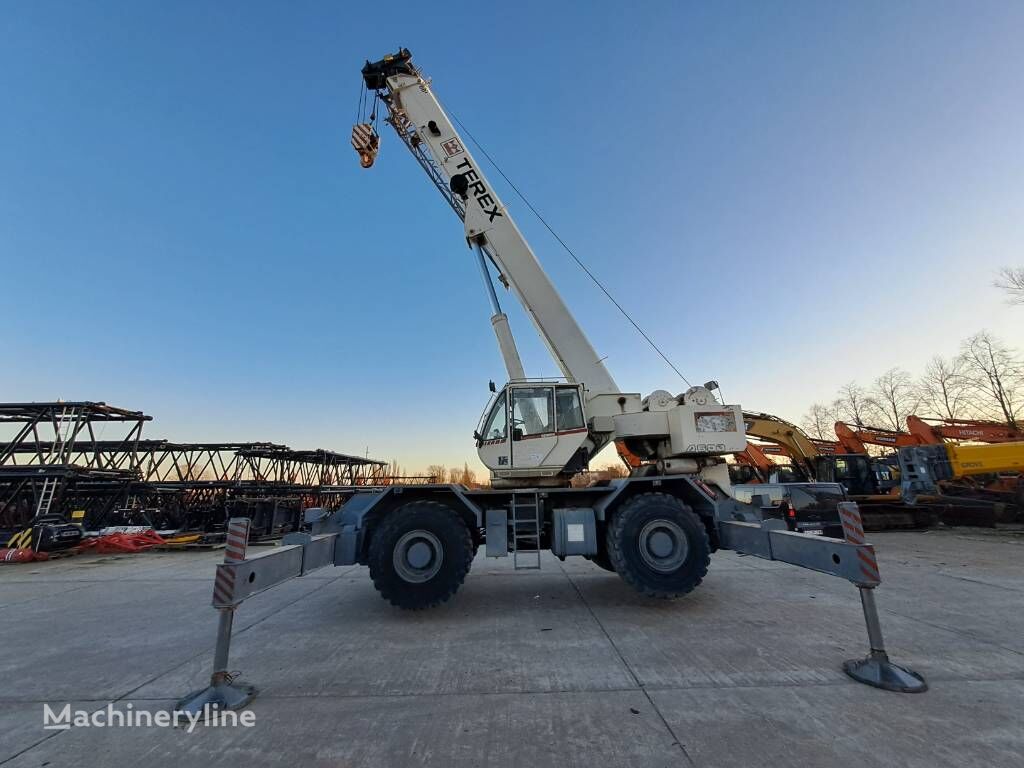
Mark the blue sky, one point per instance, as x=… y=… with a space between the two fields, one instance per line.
x=786 y=197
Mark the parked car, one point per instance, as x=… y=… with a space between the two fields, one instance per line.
x=806 y=507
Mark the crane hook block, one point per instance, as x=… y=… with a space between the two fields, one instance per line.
x=366 y=142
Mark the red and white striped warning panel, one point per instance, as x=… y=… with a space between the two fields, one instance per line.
x=238 y=539
x=853 y=531
x=224 y=588
x=234 y=552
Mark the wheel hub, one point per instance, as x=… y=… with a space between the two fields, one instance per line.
x=418 y=556
x=663 y=546
x=660 y=544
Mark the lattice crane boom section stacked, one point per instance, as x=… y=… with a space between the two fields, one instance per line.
x=53 y=458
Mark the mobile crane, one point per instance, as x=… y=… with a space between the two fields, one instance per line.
x=656 y=528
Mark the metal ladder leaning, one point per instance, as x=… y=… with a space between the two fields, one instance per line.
x=64 y=431
x=526 y=528
x=46 y=496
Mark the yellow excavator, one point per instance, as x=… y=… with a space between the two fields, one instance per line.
x=923 y=467
x=871 y=483
x=823 y=460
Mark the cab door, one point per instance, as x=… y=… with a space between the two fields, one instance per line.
x=494 y=442
x=533 y=425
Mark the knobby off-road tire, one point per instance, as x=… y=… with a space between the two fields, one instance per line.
x=420 y=554
x=658 y=546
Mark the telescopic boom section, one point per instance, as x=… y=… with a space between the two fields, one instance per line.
x=419 y=119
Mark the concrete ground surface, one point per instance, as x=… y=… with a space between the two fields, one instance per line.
x=560 y=667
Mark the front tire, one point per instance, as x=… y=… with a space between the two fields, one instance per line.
x=658 y=546
x=419 y=555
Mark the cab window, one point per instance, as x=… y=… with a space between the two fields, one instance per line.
x=497 y=423
x=801 y=499
x=533 y=410
x=568 y=409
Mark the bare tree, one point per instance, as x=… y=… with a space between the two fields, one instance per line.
x=437 y=473
x=1011 y=280
x=997 y=372
x=895 y=397
x=819 y=421
x=945 y=389
x=855 y=405
x=466 y=476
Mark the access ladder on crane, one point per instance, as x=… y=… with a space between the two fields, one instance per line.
x=526 y=528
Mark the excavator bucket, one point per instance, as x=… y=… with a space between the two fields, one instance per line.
x=366 y=142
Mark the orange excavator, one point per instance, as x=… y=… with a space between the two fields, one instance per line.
x=762 y=469
x=935 y=431
x=855 y=439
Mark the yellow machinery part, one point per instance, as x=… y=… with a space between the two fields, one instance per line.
x=982 y=459
x=190 y=538
x=21 y=540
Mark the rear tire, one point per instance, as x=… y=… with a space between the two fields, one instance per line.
x=658 y=546
x=419 y=555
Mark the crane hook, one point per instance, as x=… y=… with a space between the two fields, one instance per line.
x=366 y=142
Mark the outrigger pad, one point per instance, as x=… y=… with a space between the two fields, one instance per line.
x=878 y=671
x=218 y=698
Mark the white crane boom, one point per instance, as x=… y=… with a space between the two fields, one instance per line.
x=542 y=431
x=412 y=104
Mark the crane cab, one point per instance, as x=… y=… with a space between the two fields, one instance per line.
x=533 y=429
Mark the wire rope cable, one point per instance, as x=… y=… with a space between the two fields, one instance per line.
x=579 y=262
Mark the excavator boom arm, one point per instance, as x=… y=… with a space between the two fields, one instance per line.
x=797 y=443
x=854 y=439
x=933 y=432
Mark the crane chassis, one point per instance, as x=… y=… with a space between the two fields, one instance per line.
x=657 y=528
